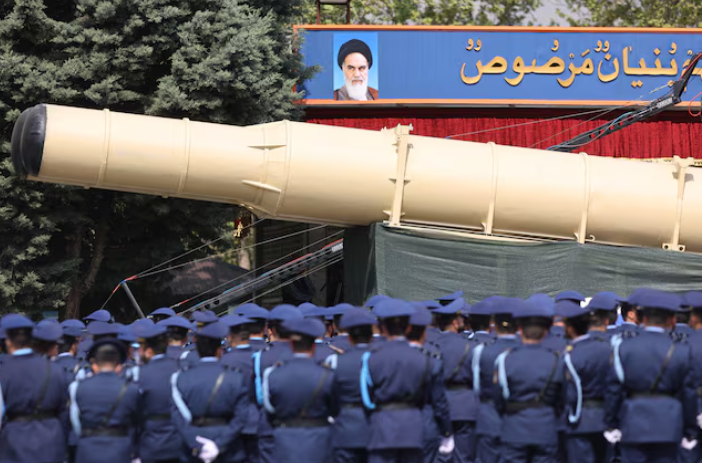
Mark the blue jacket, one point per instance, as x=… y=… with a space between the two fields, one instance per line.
x=298 y=389
x=226 y=411
x=637 y=391
x=394 y=379
x=158 y=436
x=489 y=422
x=98 y=403
x=350 y=428
x=457 y=354
x=239 y=358
x=24 y=378
x=530 y=394
x=587 y=362
x=273 y=353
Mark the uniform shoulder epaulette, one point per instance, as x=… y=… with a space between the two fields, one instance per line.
x=569 y=348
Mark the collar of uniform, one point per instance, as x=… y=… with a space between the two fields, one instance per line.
x=157 y=357
x=681 y=325
x=611 y=327
x=209 y=359
x=580 y=338
x=415 y=344
x=318 y=341
x=243 y=346
x=361 y=345
x=65 y=354
x=479 y=332
x=398 y=338
x=25 y=351
x=302 y=355
x=507 y=336
x=255 y=338
x=655 y=329
x=629 y=323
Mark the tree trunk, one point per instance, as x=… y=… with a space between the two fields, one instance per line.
x=73 y=250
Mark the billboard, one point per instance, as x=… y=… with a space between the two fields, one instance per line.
x=496 y=65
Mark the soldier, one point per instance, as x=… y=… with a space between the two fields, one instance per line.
x=340 y=343
x=436 y=414
x=394 y=381
x=650 y=379
x=603 y=307
x=555 y=339
x=46 y=337
x=693 y=301
x=159 y=441
x=326 y=347
x=489 y=423
x=32 y=399
x=278 y=350
x=104 y=406
x=257 y=329
x=479 y=317
x=298 y=397
x=72 y=331
x=350 y=432
x=529 y=392
x=630 y=313
x=586 y=360
x=458 y=376
x=682 y=331
x=210 y=402
x=177 y=329
x=239 y=358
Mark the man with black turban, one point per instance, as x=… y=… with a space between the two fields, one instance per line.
x=355 y=59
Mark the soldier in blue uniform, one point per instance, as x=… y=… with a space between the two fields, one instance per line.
x=178 y=328
x=210 y=403
x=651 y=379
x=103 y=407
x=332 y=345
x=530 y=391
x=159 y=441
x=72 y=331
x=238 y=357
x=257 y=329
x=297 y=395
x=693 y=301
x=32 y=399
x=279 y=349
x=587 y=361
x=46 y=337
x=682 y=330
x=350 y=432
x=555 y=339
x=480 y=317
x=394 y=381
x=630 y=313
x=489 y=424
x=436 y=413
x=457 y=354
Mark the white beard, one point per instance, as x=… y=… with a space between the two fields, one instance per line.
x=357 y=92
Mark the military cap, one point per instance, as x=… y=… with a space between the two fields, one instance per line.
x=176 y=322
x=285 y=312
x=235 y=320
x=108 y=343
x=166 y=311
x=306 y=307
x=100 y=315
x=431 y=305
x=305 y=326
x=393 y=308
x=251 y=310
x=47 y=330
x=215 y=330
x=505 y=305
x=568 y=308
x=453 y=308
x=98 y=328
x=15 y=321
x=142 y=326
x=126 y=334
x=149 y=331
x=204 y=317
x=543 y=300
x=569 y=295
x=357 y=317
x=693 y=299
x=481 y=308
x=72 y=331
x=73 y=323
x=374 y=300
x=447 y=298
x=634 y=296
x=655 y=299
x=532 y=309
x=603 y=301
x=421 y=316
x=340 y=309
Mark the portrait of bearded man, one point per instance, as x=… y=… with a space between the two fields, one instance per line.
x=355 y=59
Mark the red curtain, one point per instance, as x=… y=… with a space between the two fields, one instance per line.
x=675 y=133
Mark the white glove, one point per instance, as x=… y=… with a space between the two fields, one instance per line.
x=688 y=444
x=209 y=450
x=136 y=460
x=699 y=420
x=613 y=436
x=447 y=445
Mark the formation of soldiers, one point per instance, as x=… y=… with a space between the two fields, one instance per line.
x=504 y=380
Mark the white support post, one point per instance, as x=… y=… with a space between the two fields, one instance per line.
x=403 y=147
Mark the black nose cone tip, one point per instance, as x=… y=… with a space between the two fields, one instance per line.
x=28 y=138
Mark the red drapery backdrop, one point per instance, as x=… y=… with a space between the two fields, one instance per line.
x=674 y=133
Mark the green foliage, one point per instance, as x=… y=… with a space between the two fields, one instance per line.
x=425 y=12
x=209 y=60
x=634 y=13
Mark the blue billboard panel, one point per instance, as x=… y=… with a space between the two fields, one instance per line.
x=562 y=66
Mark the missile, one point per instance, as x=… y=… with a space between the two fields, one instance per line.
x=350 y=177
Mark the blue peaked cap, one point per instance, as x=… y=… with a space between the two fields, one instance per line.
x=178 y=321
x=235 y=320
x=374 y=300
x=47 y=330
x=73 y=323
x=450 y=297
x=569 y=295
x=285 y=312
x=693 y=299
x=215 y=330
x=422 y=316
x=252 y=311
x=167 y=311
x=357 y=317
x=98 y=328
x=305 y=326
x=204 y=317
x=656 y=299
x=15 y=321
x=481 y=308
x=453 y=308
x=532 y=309
x=568 y=308
x=101 y=315
x=393 y=308
x=603 y=301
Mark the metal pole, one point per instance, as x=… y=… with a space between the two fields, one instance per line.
x=319 y=7
x=132 y=299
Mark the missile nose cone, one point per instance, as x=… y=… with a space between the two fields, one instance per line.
x=28 y=137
